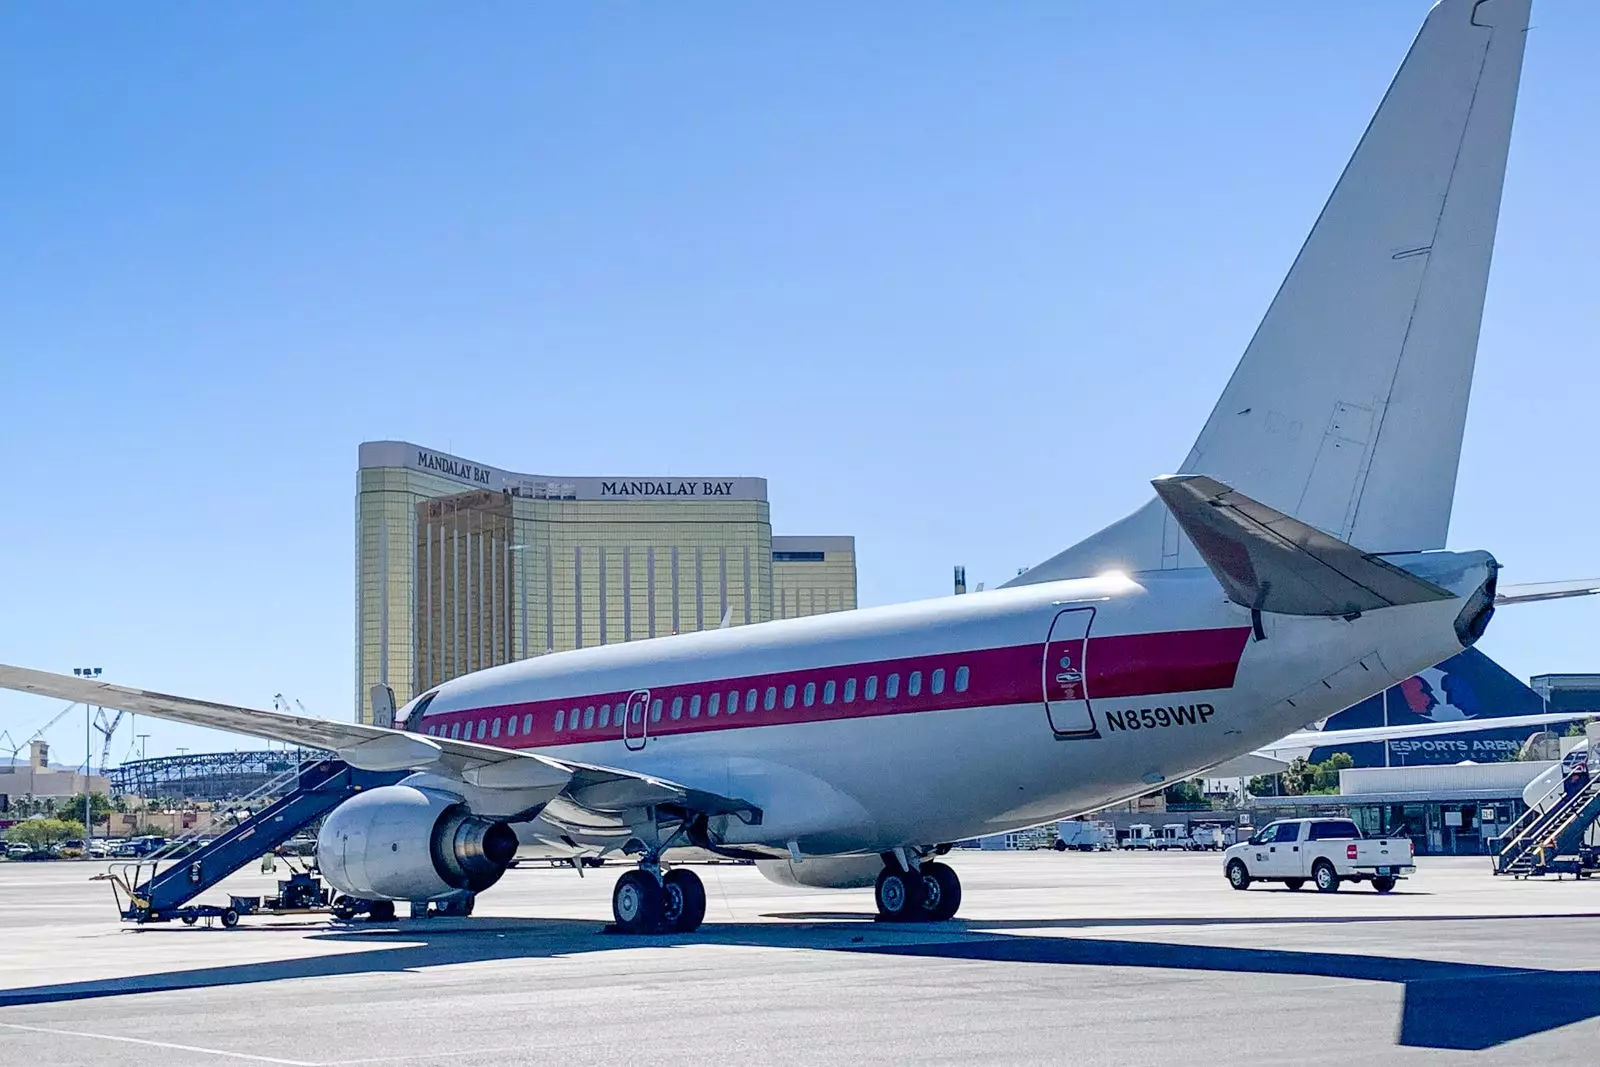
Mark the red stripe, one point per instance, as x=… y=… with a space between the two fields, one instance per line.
x=1118 y=667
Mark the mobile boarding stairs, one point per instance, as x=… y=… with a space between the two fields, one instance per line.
x=1551 y=836
x=147 y=893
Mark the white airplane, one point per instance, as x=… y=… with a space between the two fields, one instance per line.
x=853 y=748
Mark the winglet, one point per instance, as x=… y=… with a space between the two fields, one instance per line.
x=1271 y=562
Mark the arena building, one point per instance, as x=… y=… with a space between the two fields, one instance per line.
x=462 y=566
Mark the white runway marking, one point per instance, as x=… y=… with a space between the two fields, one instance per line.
x=162 y=1044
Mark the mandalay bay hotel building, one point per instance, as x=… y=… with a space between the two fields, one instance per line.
x=462 y=566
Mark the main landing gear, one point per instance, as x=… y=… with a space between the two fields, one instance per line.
x=927 y=892
x=650 y=901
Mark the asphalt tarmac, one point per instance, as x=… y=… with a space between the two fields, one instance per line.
x=1109 y=958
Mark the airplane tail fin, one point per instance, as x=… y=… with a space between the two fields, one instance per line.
x=1346 y=410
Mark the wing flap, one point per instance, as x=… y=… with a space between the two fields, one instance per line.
x=1269 y=561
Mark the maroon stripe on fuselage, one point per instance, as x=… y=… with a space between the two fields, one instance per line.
x=1120 y=666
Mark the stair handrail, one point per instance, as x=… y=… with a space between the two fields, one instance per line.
x=1575 y=806
x=1516 y=831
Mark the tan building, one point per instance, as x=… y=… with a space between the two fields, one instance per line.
x=812 y=575
x=37 y=778
x=462 y=566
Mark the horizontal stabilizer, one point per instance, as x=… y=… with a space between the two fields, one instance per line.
x=1532 y=592
x=1266 y=560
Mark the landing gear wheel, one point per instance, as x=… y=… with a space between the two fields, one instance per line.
x=941 y=893
x=381 y=911
x=1238 y=874
x=230 y=918
x=1292 y=884
x=685 y=901
x=899 y=895
x=1383 y=883
x=1326 y=877
x=637 y=903
x=188 y=920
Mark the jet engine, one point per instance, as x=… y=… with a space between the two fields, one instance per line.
x=823 y=872
x=399 y=842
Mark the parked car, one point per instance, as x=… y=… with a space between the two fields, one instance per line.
x=1139 y=836
x=1326 y=852
x=18 y=851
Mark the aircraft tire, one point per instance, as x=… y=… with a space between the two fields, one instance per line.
x=637 y=902
x=381 y=911
x=898 y=895
x=685 y=900
x=941 y=893
x=1238 y=874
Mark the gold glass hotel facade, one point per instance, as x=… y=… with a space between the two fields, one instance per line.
x=462 y=566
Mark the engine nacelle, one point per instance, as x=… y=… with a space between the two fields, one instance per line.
x=823 y=872
x=398 y=842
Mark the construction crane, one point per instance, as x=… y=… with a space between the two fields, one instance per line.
x=37 y=734
x=106 y=730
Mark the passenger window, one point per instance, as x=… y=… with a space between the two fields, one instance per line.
x=483 y=726
x=561 y=716
x=495 y=730
x=936 y=683
x=455 y=730
x=694 y=705
x=891 y=687
x=588 y=717
x=827 y=693
x=750 y=700
x=962 y=676
x=527 y=723
x=605 y=715
x=871 y=689
x=677 y=707
x=1289 y=831
x=788 y=696
x=431 y=729
x=655 y=710
x=733 y=701
x=511 y=726
x=811 y=693
x=638 y=713
x=771 y=699
x=849 y=690
x=914 y=684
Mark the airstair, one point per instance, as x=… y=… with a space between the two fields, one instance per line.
x=1549 y=837
x=147 y=893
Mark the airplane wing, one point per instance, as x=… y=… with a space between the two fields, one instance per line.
x=1267 y=560
x=377 y=748
x=1532 y=592
x=1302 y=741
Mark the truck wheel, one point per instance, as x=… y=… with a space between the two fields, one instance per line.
x=1060 y=845
x=1325 y=876
x=1292 y=884
x=1238 y=874
x=1383 y=883
x=230 y=918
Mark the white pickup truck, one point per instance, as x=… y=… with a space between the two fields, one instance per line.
x=1323 y=851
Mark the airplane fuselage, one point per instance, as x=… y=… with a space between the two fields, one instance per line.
x=940 y=720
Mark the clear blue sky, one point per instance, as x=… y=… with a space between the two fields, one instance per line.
x=956 y=278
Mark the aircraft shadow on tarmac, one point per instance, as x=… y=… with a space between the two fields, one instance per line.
x=1457 y=1006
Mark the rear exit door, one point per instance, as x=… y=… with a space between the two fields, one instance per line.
x=1066 y=675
